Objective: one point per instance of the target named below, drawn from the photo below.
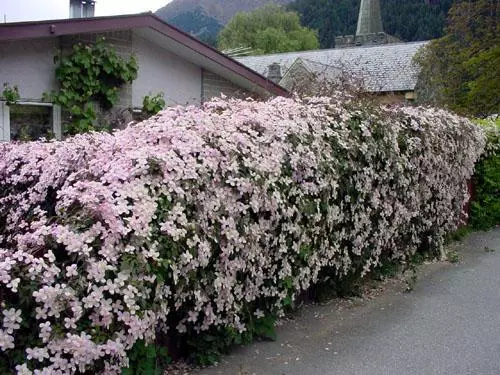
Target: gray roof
(326, 71)
(382, 68)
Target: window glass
(30, 122)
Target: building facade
(170, 61)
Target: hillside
(409, 20)
(221, 10)
(205, 18)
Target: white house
(170, 61)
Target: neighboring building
(386, 69)
(170, 61)
(372, 60)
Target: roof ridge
(333, 49)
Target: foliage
(152, 104)
(453, 257)
(409, 20)
(269, 29)
(460, 70)
(411, 268)
(459, 234)
(205, 18)
(211, 219)
(387, 269)
(10, 94)
(485, 206)
(206, 347)
(91, 73)
(146, 359)
(415, 19)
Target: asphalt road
(449, 324)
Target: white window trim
(5, 118)
(5, 121)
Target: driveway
(449, 324)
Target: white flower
(6, 340)
(259, 313)
(71, 270)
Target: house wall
(121, 40)
(391, 98)
(296, 77)
(29, 64)
(215, 85)
(163, 71)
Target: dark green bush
(485, 205)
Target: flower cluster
(197, 216)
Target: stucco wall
(29, 64)
(163, 71)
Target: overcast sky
(31, 10)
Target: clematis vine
(191, 218)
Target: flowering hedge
(209, 217)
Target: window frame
(5, 118)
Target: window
(29, 121)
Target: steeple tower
(370, 18)
(369, 31)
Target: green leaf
(91, 72)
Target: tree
(269, 29)
(460, 70)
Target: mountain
(197, 23)
(205, 18)
(408, 20)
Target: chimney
(81, 8)
(274, 72)
(370, 18)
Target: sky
(33, 10)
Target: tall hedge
(209, 217)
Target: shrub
(152, 104)
(10, 94)
(211, 218)
(485, 207)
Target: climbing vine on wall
(92, 73)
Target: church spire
(370, 18)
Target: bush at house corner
(211, 217)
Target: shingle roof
(383, 68)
